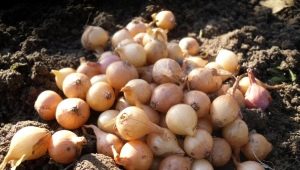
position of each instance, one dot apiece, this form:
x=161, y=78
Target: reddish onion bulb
x=249, y=165
x=256, y=95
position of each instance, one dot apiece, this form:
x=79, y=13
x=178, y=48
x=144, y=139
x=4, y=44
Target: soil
x=37, y=36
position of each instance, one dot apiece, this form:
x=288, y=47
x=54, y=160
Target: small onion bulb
x=164, y=20
x=61, y=74
x=198, y=146
x=72, y=113
x=76, y=85
x=224, y=110
x=28, y=143
x=182, y=119
x=100, y=96
x=94, y=38
x=258, y=147
x=135, y=27
x=46, y=104
x=189, y=45
x=119, y=36
x=135, y=155
x=65, y=146
x=132, y=53
x=228, y=60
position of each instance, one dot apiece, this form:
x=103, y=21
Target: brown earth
x=37, y=36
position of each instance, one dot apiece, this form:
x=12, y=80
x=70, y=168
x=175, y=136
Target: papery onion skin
x=258, y=147
x=28, y=143
x=121, y=104
x=175, y=52
x=200, y=145
x=46, y=104
x=221, y=152
x=135, y=155
x=164, y=96
x=175, y=162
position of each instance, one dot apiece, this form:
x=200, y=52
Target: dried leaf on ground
x=277, y=5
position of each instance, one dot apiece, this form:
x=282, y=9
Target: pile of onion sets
x=161, y=104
